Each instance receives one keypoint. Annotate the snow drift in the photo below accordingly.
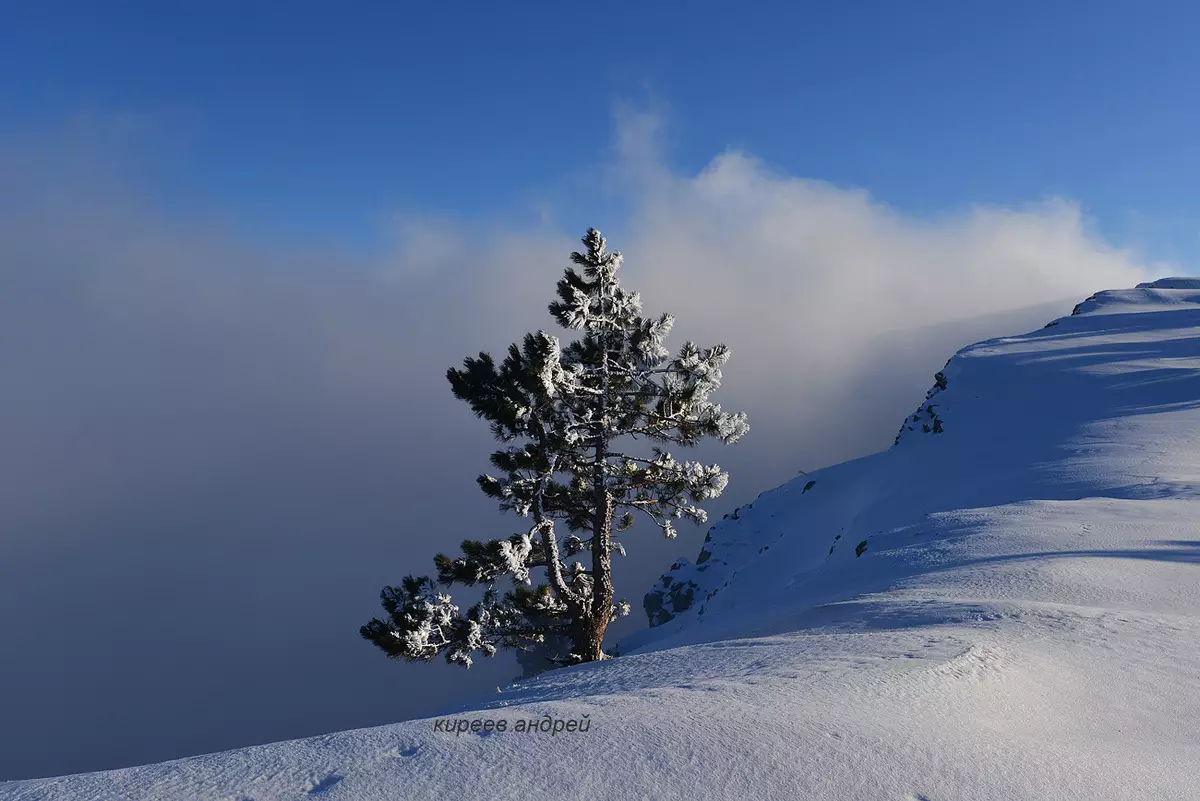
(1004, 604)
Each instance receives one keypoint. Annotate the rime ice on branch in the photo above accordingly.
(571, 416)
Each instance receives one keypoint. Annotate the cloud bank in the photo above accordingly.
(217, 450)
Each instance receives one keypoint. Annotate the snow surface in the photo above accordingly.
(1007, 609)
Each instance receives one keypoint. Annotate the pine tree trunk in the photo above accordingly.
(602, 564)
(589, 639)
(590, 635)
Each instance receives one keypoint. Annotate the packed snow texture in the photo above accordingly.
(1005, 608)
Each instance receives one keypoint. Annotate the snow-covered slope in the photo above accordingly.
(1005, 606)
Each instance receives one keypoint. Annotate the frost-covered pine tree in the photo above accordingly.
(571, 417)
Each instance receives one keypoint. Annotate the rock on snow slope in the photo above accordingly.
(1005, 608)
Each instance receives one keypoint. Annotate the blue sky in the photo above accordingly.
(313, 120)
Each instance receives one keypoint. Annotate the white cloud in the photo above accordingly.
(833, 301)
